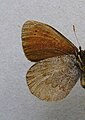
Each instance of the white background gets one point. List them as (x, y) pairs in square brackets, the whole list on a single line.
[(16, 101)]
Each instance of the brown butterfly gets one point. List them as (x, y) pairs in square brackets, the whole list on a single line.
[(59, 62)]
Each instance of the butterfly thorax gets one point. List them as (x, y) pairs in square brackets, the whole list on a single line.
[(80, 57)]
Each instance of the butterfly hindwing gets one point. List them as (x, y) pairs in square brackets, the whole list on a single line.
[(52, 79), (41, 41)]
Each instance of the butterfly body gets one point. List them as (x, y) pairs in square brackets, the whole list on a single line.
[(81, 62), (59, 62)]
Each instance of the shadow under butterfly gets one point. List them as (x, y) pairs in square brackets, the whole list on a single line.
[(59, 63)]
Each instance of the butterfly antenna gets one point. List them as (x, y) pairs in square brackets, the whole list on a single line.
[(76, 36)]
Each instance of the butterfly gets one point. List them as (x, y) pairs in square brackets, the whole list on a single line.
[(59, 63)]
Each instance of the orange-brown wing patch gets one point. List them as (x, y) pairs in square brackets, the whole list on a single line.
[(41, 41)]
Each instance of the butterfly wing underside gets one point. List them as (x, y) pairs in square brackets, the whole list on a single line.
[(52, 79), (41, 41)]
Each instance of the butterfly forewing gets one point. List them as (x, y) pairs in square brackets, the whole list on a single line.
[(52, 79), (41, 41)]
